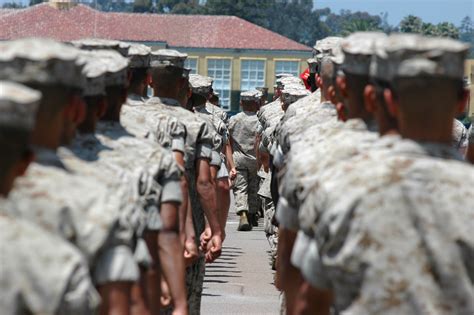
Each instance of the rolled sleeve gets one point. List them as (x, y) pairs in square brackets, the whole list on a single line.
[(286, 215), (171, 192), (215, 159), (177, 144), (204, 151), (313, 269)]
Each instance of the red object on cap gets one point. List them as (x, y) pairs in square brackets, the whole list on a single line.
[(305, 76)]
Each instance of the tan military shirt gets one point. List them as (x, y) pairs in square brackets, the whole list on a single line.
[(219, 129), (397, 241), (242, 129), (40, 273), (334, 142), (199, 138), (292, 128), (159, 173), (460, 137), (78, 208), (145, 122)]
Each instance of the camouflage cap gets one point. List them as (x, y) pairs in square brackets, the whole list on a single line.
[(167, 57), (252, 95), (99, 43), (139, 56), (292, 93), (40, 61), (116, 66), (200, 85), (358, 50), (325, 46), (95, 72), (288, 81), (417, 56), (379, 65), (18, 106), (283, 75)]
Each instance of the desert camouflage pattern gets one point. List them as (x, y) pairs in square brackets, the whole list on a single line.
[(217, 112), (199, 138), (354, 237), (85, 216), (460, 137), (41, 273), (145, 122), (339, 141)]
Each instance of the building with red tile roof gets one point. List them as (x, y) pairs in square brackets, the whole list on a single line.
[(238, 54)]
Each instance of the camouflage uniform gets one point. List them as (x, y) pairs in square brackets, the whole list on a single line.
[(460, 137), (199, 142), (242, 128), (145, 122), (395, 240), (41, 273), (81, 210), (355, 235), (77, 208)]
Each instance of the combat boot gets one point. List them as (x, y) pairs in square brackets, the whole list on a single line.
[(253, 219), (244, 224)]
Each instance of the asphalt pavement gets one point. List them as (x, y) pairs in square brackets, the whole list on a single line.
[(241, 280)]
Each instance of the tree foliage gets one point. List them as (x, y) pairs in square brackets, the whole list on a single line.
[(414, 24)]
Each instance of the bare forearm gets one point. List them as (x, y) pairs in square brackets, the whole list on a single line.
[(171, 257), (229, 157), (172, 264), (208, 198), (286, 271), (183, 208), (470, 153), (190, 233)]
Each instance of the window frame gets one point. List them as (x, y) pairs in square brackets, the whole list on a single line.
[(298, 61), (197, 62), (230, 59), (264, 60)]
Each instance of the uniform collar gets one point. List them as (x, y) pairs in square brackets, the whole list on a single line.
[(432, 149), (166, 101)]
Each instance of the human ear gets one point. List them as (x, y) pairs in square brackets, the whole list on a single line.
[(370, 99), (332, 94), (392, 102), (342, 85), (341, 111)]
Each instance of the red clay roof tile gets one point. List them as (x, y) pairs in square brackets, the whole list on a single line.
[(190, 31)]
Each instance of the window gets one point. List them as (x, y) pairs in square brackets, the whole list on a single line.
[(220, 71), (252, 74), (291, 67), (191, 63)]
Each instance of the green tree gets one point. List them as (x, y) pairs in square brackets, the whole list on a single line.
[(353, 26), (411, 24), (12, 5), (429, 29), (142, 6), (466, 33), (34, 2), (255, 11), (347, 22), (446, 29)]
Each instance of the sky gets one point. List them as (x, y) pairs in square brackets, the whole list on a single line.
[(433, 11)]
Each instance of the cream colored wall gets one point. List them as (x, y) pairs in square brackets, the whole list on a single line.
[(470, 74), (236, 60)]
